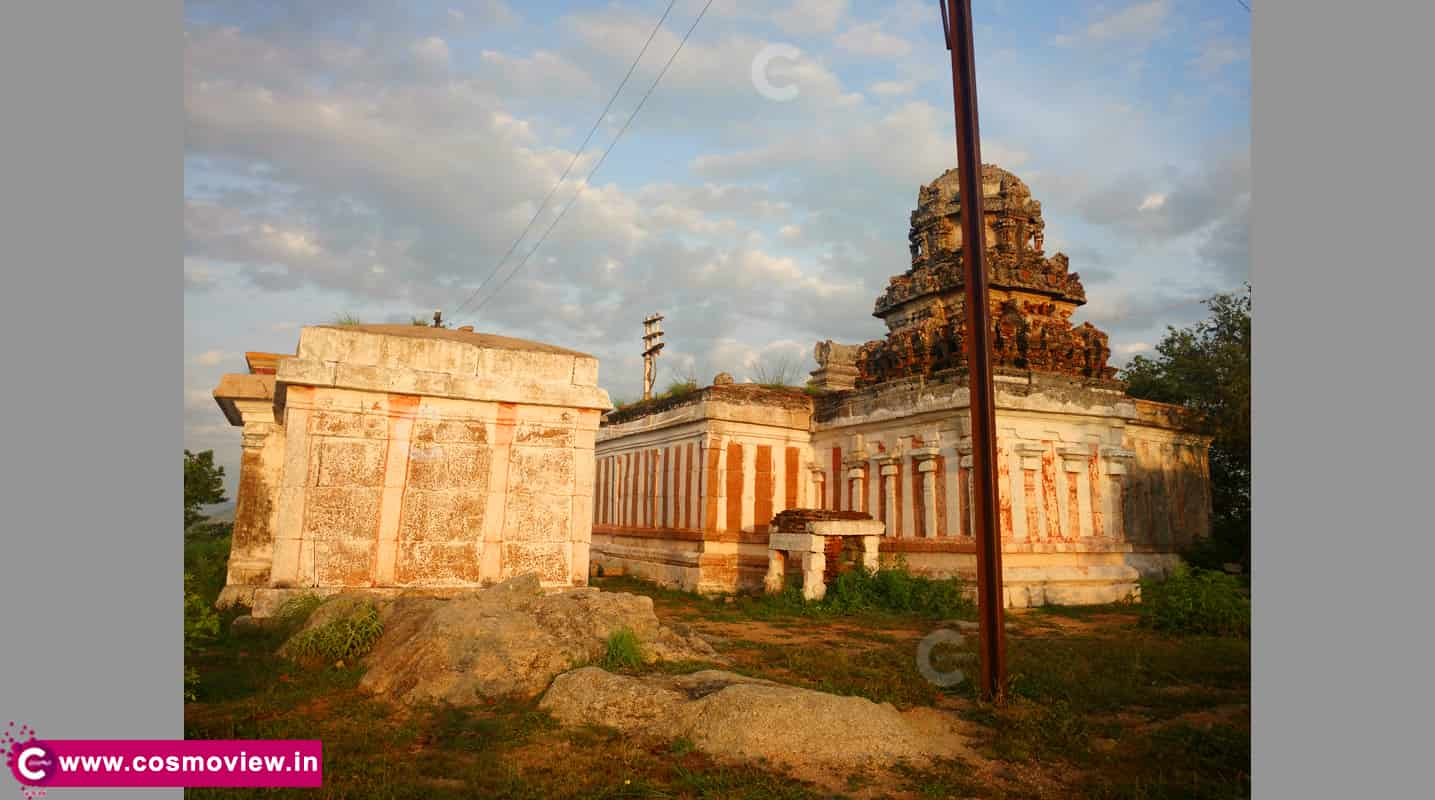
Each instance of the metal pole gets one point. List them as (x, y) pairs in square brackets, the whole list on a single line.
[(957, 24)]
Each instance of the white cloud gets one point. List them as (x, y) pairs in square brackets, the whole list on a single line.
[(810, 16), (870, 40), (893, 88), (1139, 23)]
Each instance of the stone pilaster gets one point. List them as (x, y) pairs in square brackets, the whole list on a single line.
[(927, 470)]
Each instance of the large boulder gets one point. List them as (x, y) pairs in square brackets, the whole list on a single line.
[(734, 716), (507, 640)]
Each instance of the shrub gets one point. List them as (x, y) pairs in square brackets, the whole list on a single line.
[(201, 625), (342, 639), (296, 611), (896, 589), (1196, 601), (622, 650)]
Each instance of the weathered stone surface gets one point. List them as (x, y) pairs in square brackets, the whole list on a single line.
[(1032, 297), (400, 457), (733, 716), (507, 640)]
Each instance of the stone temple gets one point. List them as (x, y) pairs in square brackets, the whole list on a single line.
[(1098, 489)]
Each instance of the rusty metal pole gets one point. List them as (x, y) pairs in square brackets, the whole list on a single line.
[(957, 26)]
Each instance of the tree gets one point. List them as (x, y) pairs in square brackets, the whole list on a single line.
[(203, 484), (1207, 368)]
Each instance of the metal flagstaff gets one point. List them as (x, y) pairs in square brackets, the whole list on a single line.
[(957, 28)]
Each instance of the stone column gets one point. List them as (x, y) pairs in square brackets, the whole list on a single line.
[(856, 486), (871, 555), (818, 498), (889, 486), (1118, 461), (927, 468), (813, 566), (776, 571), (248, 401)]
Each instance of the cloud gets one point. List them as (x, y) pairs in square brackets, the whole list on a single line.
[(810, 16), (892, 88), (1138, 24), (336, 162), (868, 39), (1217, 55)]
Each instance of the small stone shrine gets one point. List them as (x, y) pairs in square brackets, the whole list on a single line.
[(388, 458)]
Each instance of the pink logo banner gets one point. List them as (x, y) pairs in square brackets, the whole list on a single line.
[(167, 763)]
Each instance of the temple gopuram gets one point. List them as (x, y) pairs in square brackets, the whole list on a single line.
[(1098, 489)]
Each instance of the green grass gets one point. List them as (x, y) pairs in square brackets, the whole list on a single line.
[(622, 651), (341, 640), (1196, 601), (887, 593)]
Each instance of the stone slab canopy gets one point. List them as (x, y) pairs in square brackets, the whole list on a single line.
[(396, 457)]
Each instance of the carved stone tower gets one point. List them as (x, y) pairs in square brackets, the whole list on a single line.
[(1032, 296)]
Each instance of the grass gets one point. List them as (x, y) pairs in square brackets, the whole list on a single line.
[(1099, 706), (341, 640), (1196, 601), (872, 597), (622, 651)]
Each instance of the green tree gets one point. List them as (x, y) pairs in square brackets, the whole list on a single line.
[(1206, 367), (203, 484)]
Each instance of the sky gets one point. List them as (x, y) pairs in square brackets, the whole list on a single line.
[(380, 159)]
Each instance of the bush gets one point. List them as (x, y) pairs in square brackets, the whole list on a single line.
[(201, 625), (296, 611), (342, 639), (1196, 601), (896, 589), (623, 651)]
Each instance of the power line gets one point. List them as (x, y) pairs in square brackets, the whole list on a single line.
[(601, 159), (574, 160)]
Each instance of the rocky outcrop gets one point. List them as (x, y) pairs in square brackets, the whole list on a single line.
[(507, 640), (733, 716)]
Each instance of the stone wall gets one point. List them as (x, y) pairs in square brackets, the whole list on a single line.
[(1097, 489), (399, 457), (685, 493)]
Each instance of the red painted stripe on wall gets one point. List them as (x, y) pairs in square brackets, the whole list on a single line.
[(762, 487), (734, 487)]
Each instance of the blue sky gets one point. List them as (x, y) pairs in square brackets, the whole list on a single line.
[(379, 158)]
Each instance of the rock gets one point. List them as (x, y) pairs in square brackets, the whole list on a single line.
[(507, 640), (245, 625), (733, 716), (722, 379)]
